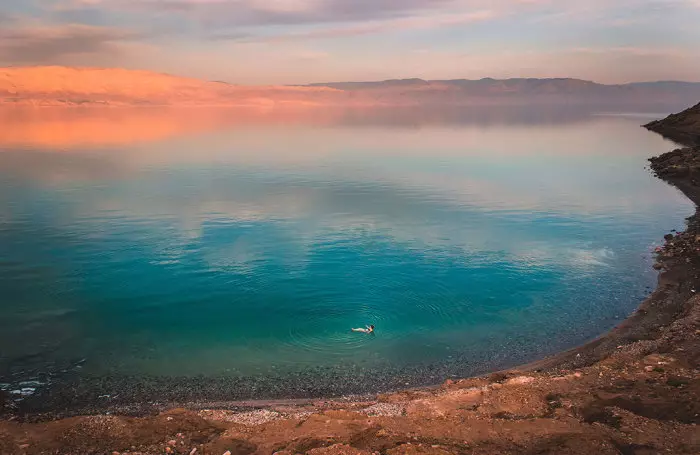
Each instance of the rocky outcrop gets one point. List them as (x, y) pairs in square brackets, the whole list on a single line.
[(683, 127), (678, 165)]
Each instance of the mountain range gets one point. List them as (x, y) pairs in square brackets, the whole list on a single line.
[(108, 86), (100, 86)]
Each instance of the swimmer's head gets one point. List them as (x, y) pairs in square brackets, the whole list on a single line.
[(371, 327)]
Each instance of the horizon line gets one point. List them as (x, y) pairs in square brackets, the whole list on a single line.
[(376, 81)]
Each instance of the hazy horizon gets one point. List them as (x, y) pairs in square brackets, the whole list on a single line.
[(373, 81), (296, 42)]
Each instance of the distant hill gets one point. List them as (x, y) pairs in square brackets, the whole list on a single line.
[(464, 91), (683, 127), (95, 86)]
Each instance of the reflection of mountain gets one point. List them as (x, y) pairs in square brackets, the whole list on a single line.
[(100, 127), (447, 161), (90, 86), (489, 115), (59, 128)]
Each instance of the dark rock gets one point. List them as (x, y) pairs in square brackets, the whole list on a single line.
[(595, 413), (683, 127)]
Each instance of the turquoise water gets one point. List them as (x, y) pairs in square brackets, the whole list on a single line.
[(250, 249)]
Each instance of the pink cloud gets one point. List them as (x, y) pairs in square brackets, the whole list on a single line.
[(254, 13), (630, 50), (394, 25)]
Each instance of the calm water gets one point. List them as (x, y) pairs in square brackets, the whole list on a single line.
[(170, 245)]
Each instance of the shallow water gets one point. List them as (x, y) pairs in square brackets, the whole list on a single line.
[(172, 244)]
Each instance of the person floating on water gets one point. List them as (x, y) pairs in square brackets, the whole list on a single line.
[(367, 329)]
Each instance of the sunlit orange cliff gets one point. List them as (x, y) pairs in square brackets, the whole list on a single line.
[(63, 86), (93, 86)]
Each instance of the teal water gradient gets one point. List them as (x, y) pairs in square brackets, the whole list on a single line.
[(252, 250)]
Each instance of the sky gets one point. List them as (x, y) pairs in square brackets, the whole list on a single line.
[(303, 41)]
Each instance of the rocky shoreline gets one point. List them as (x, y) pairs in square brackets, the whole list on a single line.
[(683, 127), (635, 390)]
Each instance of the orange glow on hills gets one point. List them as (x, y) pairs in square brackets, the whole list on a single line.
[(94, 86)]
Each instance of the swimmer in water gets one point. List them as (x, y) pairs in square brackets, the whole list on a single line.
[(367, 329)]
